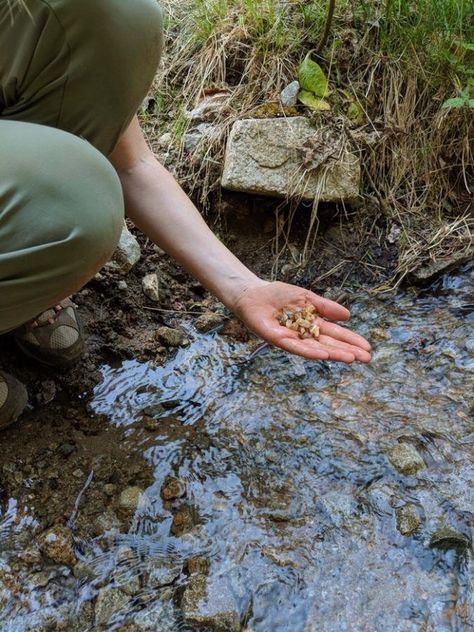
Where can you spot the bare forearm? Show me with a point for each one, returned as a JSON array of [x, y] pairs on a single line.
[[158, 206]]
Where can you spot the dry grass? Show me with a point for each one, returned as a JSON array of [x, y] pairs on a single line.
[[417, 157]]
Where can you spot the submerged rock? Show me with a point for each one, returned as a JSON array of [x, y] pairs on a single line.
[[209, 606], [173, 488], [265, 157], [159, 572], [408, 519], [405, 458], [446, 538], [130, 498], [109, 602], [57, 546], [156, 617]]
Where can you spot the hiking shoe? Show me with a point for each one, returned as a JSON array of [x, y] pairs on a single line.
[[13, 399], [54, 338]]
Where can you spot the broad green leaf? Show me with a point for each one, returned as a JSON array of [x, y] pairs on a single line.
[[471, 103], [355, 113], [467, 45], [312, 78], [312, 102], [454, 103]]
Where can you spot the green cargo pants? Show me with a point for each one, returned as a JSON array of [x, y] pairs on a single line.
[[72, 75]]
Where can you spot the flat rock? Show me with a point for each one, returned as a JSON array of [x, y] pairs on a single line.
[[262, 157], [209, 606], [405, 458], [127, 253], [439, 266]]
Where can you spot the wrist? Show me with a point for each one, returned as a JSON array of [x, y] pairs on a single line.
[[237, 289]]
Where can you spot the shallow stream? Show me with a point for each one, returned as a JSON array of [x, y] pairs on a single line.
[[293, 496]]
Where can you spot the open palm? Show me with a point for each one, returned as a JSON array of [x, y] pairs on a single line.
[[257, 307]]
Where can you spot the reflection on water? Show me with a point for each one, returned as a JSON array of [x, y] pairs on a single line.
[[290, 506]]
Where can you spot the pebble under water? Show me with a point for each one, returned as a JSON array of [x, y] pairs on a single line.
[[295, 496]]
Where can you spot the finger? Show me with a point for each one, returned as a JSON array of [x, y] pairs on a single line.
[[298, 347], [314, 350], [329, 309], [311, 348], [342, 334], [360, 354]]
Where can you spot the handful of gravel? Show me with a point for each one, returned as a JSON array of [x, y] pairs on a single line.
[[302, 321]]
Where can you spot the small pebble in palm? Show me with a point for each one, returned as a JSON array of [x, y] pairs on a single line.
[[300, 320]]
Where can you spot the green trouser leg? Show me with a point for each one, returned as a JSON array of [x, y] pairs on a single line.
[[61, 213], [83, 67]]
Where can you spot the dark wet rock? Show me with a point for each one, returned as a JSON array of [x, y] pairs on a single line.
[[109, 602], [39, 580], [209, 606], [183, 521], [104, 467], [30, 556], [159, 572], [208, 322], [83, 570], [57, 546], [126, 572], [380, 497], [173, 488], [197, 565], [434, 268], [171, 337], [130, 498], [66, 449], [338, 506], [151, 424], [408, 519], [446, 538], [110, 489], [405, 458], [83, 619], [107, 521], [156, 617]]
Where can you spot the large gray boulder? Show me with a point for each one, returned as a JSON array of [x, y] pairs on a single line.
[[277, 157]]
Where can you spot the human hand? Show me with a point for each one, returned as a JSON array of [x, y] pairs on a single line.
[[257, 306]]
